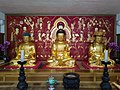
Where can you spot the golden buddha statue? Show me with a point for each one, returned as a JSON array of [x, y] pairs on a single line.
[[60, 52], [29, 51], [96, 50]]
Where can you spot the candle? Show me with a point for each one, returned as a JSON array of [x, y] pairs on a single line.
[[22, 55], [106, 56]]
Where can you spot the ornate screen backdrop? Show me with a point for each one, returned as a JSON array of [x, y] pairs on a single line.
[[79, 30]]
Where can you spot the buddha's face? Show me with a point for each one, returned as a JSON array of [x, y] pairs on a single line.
[[26, 38], [60, 36], [99, 39]]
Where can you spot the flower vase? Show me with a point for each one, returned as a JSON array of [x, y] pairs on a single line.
[[6, 58]]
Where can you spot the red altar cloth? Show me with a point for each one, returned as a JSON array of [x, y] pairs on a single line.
[[86, 65]]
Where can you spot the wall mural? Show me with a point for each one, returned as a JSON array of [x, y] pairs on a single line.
[[79, 29]]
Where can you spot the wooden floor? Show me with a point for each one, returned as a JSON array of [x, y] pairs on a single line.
[[37, 79]]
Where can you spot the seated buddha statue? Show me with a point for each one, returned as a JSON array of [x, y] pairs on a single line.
[[60, 57], [29, 51], [96, 50]]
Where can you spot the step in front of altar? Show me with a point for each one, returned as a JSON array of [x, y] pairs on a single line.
[[42, 76], [42, 85]]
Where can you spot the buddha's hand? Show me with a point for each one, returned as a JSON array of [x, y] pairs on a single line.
[[53, 59]]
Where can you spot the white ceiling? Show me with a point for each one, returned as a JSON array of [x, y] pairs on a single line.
[[60, 7]]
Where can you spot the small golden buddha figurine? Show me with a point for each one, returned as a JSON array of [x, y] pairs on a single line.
[[96, 50], [29, 51], [60, 52]]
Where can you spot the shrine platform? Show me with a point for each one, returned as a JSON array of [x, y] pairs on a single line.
[[37, 78]]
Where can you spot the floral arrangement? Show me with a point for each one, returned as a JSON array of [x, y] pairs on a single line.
[[114, 46], [4, 46], [114, 52]]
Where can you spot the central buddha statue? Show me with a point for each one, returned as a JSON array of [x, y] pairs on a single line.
[[29, 52], [96, 50], [60, 57]]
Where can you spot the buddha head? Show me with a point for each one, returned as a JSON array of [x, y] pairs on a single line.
[[99, 35], [60, 35], [26, 37], [98, 39]]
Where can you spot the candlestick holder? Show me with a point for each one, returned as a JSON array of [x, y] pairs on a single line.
[[105, 85], [22, 85]]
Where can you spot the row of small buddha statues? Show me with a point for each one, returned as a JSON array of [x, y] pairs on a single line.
[[60, 57]]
